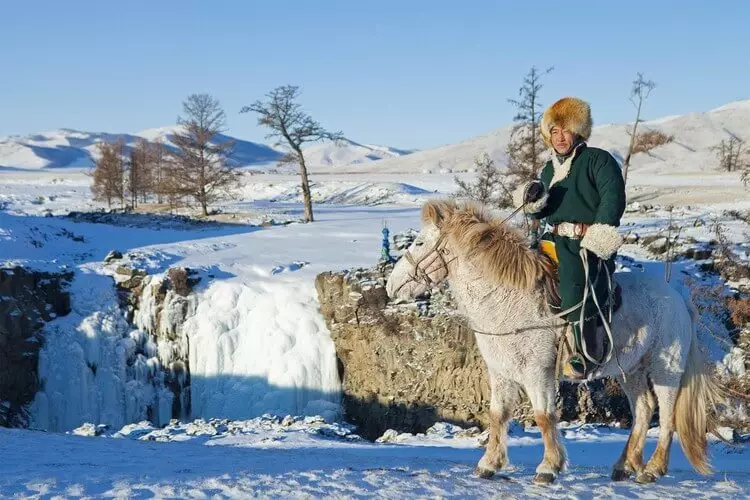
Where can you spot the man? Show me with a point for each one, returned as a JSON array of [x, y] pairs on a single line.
[[581, 193]]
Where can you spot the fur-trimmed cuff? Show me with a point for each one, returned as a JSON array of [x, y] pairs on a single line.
[[602, 239], [533, 207]]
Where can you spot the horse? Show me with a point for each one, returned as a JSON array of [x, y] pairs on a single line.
[[500, 287]]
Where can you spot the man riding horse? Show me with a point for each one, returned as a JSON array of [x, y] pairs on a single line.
[[581, 193]]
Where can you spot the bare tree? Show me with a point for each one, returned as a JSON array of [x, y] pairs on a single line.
[[732, 154], [107, 182], [291, 128], [650, 139], [488, 187], [203, 168], [638, 93], [138, 182], [158, 159]]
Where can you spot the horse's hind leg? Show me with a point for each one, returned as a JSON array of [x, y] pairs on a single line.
[[542, 396], [666, 388], [642, 406], [503, 400]]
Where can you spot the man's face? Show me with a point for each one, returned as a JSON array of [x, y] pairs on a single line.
[[562, 140]]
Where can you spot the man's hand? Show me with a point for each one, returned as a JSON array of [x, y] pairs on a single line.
[[534, 191]]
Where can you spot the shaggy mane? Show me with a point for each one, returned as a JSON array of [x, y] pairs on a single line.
[[498, 249]]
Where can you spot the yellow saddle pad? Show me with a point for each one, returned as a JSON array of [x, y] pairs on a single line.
[[548, 248]]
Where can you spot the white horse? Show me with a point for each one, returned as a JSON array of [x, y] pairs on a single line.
[[499, 287]]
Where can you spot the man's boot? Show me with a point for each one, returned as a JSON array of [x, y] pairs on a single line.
[[578, 365]]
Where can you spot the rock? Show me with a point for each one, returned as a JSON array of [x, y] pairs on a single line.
[[113, 255], [659, 246], [391, 436], [90, 430], [128, 271], [697, 253], [200, 428], [631, 238], [182, 280], [28, 299], [633, 207], [287, 421]]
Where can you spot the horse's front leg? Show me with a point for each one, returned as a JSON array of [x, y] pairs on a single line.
[[541, 389], [503, 399]]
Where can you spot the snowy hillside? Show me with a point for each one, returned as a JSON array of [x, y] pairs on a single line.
[[694, 135], [66, 148], [347, 152], [245, 152]]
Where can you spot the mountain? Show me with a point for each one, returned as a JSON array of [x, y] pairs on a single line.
[[690, 151], [347, 152], [66, 148]]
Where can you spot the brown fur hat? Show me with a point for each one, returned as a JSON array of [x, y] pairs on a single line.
[[570, 113]]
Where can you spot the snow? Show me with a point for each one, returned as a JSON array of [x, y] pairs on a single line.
[[73, 149], [256, 343], [347, 152], [260, 349], [274, 457]]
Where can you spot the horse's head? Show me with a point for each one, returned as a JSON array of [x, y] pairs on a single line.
[[425, 262]]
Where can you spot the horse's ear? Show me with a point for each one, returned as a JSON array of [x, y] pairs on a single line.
[[437, 211]]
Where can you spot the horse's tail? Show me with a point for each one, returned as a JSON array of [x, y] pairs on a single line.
[[699, 393]]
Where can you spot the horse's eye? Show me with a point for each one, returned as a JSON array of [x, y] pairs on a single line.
[[419, 243]]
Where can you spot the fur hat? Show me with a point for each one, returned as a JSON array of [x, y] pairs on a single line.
[[569, 113]]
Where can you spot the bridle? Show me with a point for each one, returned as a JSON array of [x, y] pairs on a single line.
[[419, 274]]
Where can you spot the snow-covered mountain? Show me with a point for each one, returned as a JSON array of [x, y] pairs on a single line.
[[347, 152], [66, 148], [690, 152]]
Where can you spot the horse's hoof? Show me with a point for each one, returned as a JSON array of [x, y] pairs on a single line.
[[544, 478], [645, 478], [483, 473], [620, 475]]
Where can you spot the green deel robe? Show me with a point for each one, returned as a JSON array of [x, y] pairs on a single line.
[[589, 188]]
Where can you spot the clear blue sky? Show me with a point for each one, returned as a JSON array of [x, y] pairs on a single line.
[[404, 73]]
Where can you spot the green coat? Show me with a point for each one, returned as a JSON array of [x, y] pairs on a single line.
[[591, 192]]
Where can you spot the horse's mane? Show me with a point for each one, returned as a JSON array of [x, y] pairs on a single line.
[[498, 249]]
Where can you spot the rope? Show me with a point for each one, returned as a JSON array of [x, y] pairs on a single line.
[[606, 322], [534, 326]]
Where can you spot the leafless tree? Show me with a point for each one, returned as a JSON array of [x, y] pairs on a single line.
[[158, 158], [291, 127], [138, 179], [650, 139], [732, 154], [488, 187], [107, 181], [202, 167], [638, 93]]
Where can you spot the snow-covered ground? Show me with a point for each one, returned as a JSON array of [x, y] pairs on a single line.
[[259, 345], [293, 457]]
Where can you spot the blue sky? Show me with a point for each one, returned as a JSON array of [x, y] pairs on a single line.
[[403, 73]]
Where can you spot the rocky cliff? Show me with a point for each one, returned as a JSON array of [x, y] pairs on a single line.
[[28, 299], [407, 366]]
